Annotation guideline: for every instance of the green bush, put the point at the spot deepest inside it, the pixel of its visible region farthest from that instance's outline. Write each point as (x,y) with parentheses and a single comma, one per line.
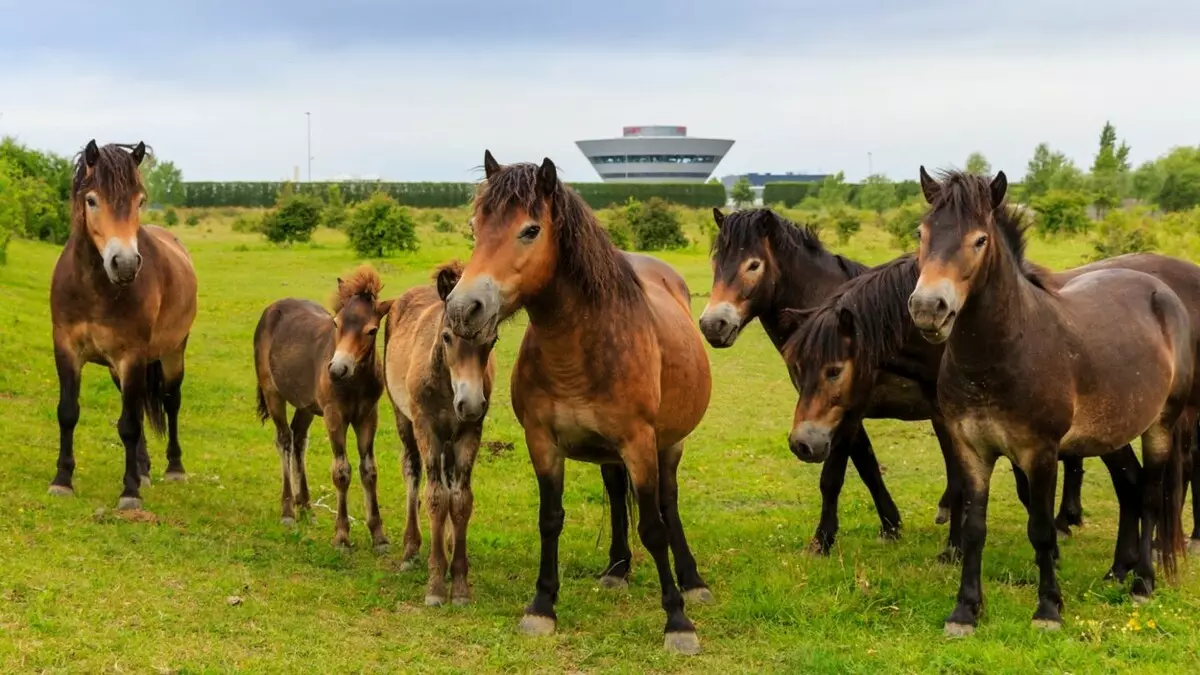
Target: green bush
(335,214)
(846,222)
(1123,232)
(247,223)
(440,224)
(653,224)
(379,226)
(170,218)
(619,232)
(40,182)
(294,219)
(192,220)
(902,222)
(1061,212)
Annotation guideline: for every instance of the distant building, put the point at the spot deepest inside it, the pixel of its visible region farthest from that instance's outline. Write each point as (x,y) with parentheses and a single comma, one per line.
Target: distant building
(759,180)
(655,154)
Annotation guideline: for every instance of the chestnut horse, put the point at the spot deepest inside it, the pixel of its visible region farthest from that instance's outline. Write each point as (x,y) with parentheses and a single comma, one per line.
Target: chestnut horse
(1031,370)
(324,366)
(440,385)
(611,370)
(122,296)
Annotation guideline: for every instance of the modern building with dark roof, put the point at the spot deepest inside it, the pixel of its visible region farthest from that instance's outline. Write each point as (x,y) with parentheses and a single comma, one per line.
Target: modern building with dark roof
(655,154)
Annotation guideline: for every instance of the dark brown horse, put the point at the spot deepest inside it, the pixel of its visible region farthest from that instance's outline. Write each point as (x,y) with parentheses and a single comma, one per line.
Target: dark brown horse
(611,370)
(122,296)
(440,385)
(324,365)
(1031,370)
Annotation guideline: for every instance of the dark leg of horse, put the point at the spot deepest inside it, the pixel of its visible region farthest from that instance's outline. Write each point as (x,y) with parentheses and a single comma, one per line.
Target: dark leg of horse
(1071,511)
(693,587)
(277,409)
(1153,475)
(172,400)
(1191,468)
(833,475)
(69,369)
(863,456)
(364,435)
(977,478)
(462,503)
(540,618)
(953,490)
(1043,482)
(301,421)
(129,426)
(1125,471)
(616,484)
(410,464)
(142,453)
(340,472)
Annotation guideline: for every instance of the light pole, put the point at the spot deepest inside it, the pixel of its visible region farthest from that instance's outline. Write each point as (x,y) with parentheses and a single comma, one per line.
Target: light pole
(870,166)
(308,119)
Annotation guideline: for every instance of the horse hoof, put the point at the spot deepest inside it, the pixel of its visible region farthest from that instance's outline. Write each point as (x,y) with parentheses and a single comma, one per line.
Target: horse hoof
(1139,599)
(950,556)
(888,536)
(1047,624)
(146,482)
(953,629)
(341,541)
(382,547)
(531,624)
(682,643)
(943,516)
(697,596)
(613,583)
(408,565)
(461,601)
(62,491)
(129,504)
(434,601)
(287,521)
(175,477)
(1194,544)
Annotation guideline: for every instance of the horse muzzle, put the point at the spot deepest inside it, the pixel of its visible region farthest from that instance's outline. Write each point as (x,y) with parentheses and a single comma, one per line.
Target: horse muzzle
(720,325)
(810,443)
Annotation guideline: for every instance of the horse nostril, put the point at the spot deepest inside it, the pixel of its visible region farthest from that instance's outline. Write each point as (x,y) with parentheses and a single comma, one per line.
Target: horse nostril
(942,307)
(803,450)
(475,307)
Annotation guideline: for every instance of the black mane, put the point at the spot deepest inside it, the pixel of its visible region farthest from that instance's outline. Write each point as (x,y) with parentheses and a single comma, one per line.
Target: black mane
(744,229)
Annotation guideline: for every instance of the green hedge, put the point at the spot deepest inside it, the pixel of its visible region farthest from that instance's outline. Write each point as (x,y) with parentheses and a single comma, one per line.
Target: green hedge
(789,194)
(445,195)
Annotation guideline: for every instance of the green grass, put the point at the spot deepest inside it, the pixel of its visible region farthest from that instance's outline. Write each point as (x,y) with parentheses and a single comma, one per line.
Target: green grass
(87,591)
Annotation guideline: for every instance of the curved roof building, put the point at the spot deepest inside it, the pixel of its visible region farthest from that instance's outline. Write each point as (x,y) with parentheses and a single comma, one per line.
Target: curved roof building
(655,154)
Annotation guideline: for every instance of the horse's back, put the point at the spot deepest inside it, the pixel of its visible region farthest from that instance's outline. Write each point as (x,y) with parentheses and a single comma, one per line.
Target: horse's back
(651,270)
(290,345)
(412,325)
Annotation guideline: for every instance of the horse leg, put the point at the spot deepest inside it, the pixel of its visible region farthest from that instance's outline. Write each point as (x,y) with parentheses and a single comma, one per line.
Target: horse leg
(462,503)
(1071,510)
(1042,471)
(1124,469)
(863,456)
(142,453)
(833,476)
(953,490)
(69,369)
(1023,489)
(410,463)
(1156,444)
(547,460)
(285,444)
(1192,473)
(437,495)
(641,461)
(364,434)
(616,485)
(693,587)
(129,427)
(977,478)
(340,473)
(301,421)
(172,365)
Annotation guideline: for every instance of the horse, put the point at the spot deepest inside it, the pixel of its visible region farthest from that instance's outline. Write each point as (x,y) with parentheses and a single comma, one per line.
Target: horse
(767,268)
(122,295)
(439,385)
(324,365)
(1031,370)
(611,370)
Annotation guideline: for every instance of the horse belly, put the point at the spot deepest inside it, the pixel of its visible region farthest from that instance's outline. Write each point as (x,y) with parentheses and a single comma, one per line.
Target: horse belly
(685,379)
(1103,424)
(898,398)
(397,386)
(577,429)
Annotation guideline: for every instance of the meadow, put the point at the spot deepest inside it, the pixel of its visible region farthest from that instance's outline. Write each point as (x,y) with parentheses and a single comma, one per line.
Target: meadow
(207,580)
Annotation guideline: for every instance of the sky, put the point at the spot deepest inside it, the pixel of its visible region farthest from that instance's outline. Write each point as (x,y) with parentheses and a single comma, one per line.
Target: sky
(417,89)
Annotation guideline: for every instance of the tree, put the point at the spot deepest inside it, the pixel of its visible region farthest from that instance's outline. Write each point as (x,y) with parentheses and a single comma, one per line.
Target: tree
(654,225)
(743,193)
(1110,170)
(1050,170)
(293,220)
(43,181)
(1061,211)
(978,164)
(834,190)
(878,193)
(379,227)
(335,213)
(1179,174)
(164,183)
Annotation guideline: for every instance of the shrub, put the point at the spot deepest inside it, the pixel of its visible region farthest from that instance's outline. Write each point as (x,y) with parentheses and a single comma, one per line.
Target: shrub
(619,233)
(247,223)
(40,182)
(902,221)
(170,218)
(1061,211)
(335,214)
(653,224)
(440,224)
(846,222)
(293,220)
(192,220)
(380,226)
(1123,232)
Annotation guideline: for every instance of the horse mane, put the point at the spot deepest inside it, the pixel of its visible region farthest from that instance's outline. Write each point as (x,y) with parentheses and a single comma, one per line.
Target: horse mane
(587,258)
(364,282)
(744,228)
(115,176)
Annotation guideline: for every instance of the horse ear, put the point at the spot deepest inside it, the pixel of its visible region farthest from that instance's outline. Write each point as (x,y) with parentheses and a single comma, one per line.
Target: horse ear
(929,186)
(91,154)
(846,323)
(999,188)
(490,165)
(382,308)
(718,217)
(547,177)
(791,319)
(447,279)
(139,152)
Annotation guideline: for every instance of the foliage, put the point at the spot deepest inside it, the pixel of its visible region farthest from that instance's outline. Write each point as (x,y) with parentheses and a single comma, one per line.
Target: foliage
(653,224)
(902,222)
(335,214)
(192,220)
(1178,174)
(619,233)
(1110,170)
(247,222)
(164,182)
(294,219)
(440,224)
(1050,170)
(846,222)
(908,190)
(379,227)
(1123,231)
(41,183)
(978,164)
(788,194)
(170,218)
(743,192)
(1061,212)
(877,194)
(834,190)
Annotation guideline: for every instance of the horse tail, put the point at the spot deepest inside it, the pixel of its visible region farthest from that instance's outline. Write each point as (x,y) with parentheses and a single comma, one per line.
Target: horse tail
(154,402)
(263,414)
(1170,533)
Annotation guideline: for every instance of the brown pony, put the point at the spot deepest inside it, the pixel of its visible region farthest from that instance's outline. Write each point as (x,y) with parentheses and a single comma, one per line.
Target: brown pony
(611,370)
(122,296)
(324,366)
(1031,370)
(440,385)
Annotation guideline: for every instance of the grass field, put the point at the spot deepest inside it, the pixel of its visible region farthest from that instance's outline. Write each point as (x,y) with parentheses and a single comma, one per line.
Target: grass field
(83,589)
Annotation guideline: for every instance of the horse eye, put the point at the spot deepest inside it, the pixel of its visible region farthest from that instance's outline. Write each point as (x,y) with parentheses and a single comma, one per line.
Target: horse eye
(531,232)
(753,266)
(832,372)
(372,331)
(979,243)
(446,338)
(91,201)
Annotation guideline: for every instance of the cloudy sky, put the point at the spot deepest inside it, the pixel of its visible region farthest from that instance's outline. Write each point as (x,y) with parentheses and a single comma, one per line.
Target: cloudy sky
(416,89)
